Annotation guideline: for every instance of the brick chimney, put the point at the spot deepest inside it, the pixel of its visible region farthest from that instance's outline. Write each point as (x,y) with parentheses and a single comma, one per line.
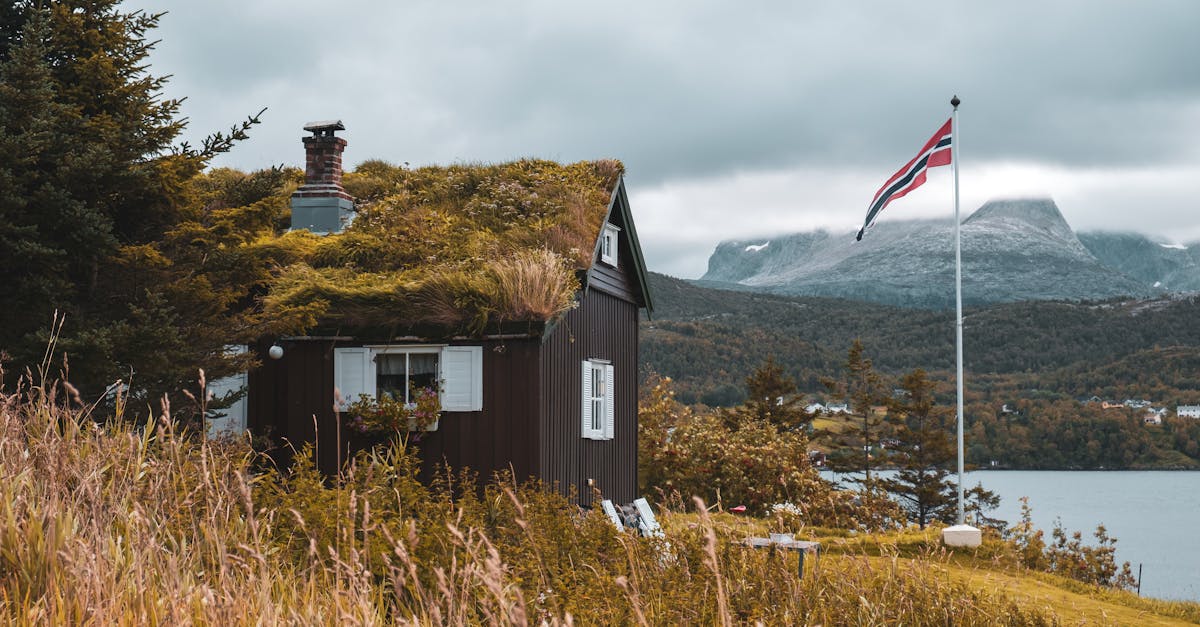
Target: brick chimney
(321,205)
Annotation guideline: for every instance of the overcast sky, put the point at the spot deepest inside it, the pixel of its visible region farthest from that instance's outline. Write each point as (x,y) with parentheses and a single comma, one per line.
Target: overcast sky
(734,120)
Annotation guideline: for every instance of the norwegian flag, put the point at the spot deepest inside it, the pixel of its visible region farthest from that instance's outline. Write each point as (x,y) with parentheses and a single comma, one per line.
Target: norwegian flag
(935,152)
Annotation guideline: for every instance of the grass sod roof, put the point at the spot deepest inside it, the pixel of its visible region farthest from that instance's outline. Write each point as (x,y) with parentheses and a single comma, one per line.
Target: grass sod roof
(451,250)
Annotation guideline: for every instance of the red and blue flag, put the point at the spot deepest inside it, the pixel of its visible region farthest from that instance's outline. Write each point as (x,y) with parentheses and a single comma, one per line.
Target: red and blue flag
(935,152)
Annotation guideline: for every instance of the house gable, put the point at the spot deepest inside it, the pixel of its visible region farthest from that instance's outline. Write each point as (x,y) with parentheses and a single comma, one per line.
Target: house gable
(627,278)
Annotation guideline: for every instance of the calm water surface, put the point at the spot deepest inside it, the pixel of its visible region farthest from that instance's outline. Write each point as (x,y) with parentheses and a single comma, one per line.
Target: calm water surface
(1155,516)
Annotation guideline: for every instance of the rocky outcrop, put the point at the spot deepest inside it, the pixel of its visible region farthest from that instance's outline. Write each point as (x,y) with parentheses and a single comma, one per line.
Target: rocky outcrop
(1164,265)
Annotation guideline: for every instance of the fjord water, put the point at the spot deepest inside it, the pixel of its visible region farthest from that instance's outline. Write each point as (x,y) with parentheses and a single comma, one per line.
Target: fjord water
(1155,516)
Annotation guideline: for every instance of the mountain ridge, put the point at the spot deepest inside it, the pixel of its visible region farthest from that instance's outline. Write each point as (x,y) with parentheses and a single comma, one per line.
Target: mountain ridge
(1013,250)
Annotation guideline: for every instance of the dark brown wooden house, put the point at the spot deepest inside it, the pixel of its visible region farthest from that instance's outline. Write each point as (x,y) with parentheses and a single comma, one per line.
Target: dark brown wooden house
(547,396)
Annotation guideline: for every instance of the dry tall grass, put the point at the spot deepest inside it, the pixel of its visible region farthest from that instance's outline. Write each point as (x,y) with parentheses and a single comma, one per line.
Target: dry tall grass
(113,524)
(534,284)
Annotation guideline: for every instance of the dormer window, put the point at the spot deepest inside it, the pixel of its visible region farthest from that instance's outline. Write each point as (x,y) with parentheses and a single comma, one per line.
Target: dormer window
(608,245)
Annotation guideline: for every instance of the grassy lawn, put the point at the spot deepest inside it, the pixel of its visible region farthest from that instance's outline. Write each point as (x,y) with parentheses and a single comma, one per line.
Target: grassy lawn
(984,570)
(1092,606)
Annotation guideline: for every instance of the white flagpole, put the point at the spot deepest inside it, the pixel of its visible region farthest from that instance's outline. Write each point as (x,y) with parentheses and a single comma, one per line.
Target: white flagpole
(955,153)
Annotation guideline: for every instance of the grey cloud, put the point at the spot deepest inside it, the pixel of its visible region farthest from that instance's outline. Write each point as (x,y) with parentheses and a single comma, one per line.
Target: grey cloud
(689,91)
(694,89)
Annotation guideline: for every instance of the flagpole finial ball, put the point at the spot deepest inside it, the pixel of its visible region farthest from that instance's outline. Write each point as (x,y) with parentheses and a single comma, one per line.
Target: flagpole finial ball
(954,102)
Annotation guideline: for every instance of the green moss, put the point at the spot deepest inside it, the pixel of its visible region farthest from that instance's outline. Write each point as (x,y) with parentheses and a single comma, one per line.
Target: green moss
(452,246)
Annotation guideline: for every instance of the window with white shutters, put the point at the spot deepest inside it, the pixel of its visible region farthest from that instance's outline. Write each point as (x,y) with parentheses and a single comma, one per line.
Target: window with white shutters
(456,372)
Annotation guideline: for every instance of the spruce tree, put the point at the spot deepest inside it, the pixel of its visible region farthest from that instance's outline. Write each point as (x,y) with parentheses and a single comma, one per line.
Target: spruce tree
(103,219)
(771,396)
(923,453)
(33,133)
(863,389)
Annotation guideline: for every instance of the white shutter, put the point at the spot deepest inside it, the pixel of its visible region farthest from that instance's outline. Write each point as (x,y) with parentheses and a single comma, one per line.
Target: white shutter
(611,511)
(609,417)
(462,378)
(586,423)
(647,523)
(353,373)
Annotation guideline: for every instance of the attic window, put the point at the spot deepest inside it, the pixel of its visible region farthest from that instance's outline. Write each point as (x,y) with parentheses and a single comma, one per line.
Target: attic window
(608,245)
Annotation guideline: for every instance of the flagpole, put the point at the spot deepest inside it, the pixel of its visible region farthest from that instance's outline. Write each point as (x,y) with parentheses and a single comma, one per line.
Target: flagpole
(954,102)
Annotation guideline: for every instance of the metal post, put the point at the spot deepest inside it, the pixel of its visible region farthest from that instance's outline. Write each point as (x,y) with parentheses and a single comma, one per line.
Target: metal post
(955,153)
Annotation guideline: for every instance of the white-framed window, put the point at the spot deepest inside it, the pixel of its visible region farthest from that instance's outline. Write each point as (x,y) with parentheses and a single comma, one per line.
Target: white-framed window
(400,371)
(396,370)
(597,411)
(608,244)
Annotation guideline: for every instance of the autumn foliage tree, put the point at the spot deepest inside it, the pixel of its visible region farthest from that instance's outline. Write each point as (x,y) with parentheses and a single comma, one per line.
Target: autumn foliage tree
(694,452)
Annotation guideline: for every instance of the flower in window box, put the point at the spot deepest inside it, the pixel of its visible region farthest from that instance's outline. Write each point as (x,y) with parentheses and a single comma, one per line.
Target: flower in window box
(385,414)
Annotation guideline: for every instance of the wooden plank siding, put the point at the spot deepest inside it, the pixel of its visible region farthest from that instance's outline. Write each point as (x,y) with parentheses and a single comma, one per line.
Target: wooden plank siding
(502,436)
(602,327)
(612,281)
(286,394)
(291,399)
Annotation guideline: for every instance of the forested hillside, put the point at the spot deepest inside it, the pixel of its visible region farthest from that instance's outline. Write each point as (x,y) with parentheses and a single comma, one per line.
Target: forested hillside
(1040,358)
(707,339)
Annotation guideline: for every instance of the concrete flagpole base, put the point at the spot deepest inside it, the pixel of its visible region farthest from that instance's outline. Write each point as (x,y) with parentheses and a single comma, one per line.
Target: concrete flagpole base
(962,535)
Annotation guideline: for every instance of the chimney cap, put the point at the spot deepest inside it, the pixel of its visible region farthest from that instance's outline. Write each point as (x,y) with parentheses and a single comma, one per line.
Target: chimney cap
(324,127)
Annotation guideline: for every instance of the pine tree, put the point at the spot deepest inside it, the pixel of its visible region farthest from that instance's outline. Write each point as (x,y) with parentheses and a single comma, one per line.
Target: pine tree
(923,455)
(863,389)
(104,220)
(772,397)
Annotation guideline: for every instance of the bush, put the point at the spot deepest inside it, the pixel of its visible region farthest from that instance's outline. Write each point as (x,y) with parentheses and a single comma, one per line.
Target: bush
(730,458)
(1068,556)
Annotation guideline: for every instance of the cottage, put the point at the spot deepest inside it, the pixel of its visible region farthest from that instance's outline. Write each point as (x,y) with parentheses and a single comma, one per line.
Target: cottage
(1187,411)
(526,328)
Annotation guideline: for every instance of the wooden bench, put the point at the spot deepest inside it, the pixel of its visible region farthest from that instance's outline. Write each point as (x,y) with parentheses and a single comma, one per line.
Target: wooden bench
(785,541)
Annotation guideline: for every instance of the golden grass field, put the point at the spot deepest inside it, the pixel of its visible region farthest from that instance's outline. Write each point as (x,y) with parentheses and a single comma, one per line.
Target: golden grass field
(120,525)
